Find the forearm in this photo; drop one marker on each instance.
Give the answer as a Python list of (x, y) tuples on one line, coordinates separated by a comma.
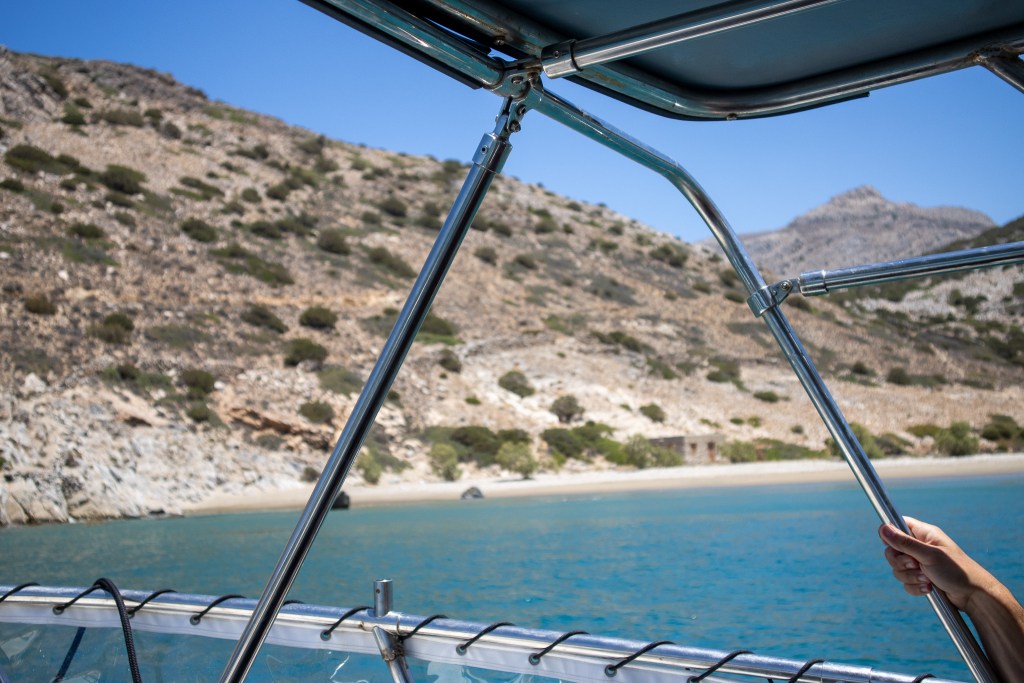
[(999, 619)]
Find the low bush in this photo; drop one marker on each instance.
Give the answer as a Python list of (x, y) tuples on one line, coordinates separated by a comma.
[(340, 380), (610, 289), (957, 440), (767, 396), (444, 461), (122, 117), (266, 230), (486, 254), (394, 207), (674, 255), (653, 412), (199, 230), (622, 339), (236, 259), (449, 361), (73, 116), (12, 184), (567, 408), (866, 439), (31, 159), (899, 376), (116, 328), (176, 336), (516, 457), (86, 231), (318, 318), (123, 179), (317, 412), (301, 350), (39, 304), (259, 315), (204, 189), (563, 443), (251, 195), (516, 382), (333, 241), (724, 371), (199, 383), (392, 263), (479, 444)]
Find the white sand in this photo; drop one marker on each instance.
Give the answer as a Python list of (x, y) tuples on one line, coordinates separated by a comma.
[(699, 476)]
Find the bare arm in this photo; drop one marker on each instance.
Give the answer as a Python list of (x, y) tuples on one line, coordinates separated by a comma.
[(930, 559)]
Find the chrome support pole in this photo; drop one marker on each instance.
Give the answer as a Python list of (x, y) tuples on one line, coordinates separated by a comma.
[(488, 161), (391, 650), (823, 281), (570, 57), (592, 127), (1008, 68)]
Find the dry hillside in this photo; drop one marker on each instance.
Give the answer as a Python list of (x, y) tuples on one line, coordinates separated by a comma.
[(192, 295)]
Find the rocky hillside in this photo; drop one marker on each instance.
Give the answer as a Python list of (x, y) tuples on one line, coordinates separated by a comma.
[(192, 295), (861, 226)]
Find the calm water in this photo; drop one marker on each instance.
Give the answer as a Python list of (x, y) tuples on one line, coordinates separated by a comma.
[(793, 571)]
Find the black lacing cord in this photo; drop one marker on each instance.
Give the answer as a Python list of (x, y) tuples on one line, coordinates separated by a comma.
[(292, 602), (611, 669), (416, 629), (198, 616), (19, 587), (326, 633), (59, 609), (804, 669), (535, 657), (922, 677), (462, 647), (145, 601), (70, 656), (718, 665), (126, 627)]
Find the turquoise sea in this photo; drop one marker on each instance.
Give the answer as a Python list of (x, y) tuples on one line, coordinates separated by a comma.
[(792, 571)]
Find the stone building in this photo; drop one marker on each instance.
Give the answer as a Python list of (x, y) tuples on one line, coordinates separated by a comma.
[(696, 449)]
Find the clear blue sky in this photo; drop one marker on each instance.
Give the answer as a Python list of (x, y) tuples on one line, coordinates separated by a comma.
[(952, 140)]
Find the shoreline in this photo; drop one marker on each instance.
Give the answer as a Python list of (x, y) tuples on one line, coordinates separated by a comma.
[(612, 481)]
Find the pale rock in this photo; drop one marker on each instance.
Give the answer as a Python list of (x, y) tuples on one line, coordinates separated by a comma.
[(32, 386)]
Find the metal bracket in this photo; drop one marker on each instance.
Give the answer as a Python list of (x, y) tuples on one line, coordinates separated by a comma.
[(769, 297)]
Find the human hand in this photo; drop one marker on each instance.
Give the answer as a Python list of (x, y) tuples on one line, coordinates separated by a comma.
[(930, 559)]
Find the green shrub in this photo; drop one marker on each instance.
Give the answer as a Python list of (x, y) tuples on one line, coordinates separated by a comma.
[(957, 440), (199, 230), (122, 117), (620, 338), (516, 457), (39, 304), (472, 401), (567, 408), (563, 442), (333, 241), (392, 263), (674, 255), (449, 361), (300, 225), (486, 254), (516, 382), (170, 131), (525, 261), (154, 115), (73, 116), (444, 461), (30, 159), (739, 451), (860, 368), (318, 318), (312, 146), (767, 396), (125, 219), (340, 380), (236, 259), (116, 328), (122, 320), (205, 190), (899, 376), (302, 349), (610, 289), (478, 444), (119, 199), (259, 315), (309, 474), (251, 195), (923, 430), (176, 336), (393, 206), (265, 229), (653, 412), (123, 179), (87, 231), (200, 412), (200, 383), (279, 192), (317, 412), (56, 83), (12, 184)]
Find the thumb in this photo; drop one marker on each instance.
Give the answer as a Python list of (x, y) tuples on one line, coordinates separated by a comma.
[(904, 543)]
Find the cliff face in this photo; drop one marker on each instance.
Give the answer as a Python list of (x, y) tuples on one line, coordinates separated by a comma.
[(861, 226), (192, 296)]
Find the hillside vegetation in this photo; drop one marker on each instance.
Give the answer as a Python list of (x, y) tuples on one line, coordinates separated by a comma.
[(193, 294)]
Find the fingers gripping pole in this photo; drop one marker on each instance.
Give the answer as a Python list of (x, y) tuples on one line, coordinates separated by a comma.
[(487, 163)]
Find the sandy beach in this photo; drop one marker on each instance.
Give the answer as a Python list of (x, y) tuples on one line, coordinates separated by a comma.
[(563, 483)]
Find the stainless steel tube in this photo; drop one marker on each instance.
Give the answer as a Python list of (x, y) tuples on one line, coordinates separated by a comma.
[(572, 57), (487, 162), (391, 653), (821, 282), (1008, 68), (794, 352)]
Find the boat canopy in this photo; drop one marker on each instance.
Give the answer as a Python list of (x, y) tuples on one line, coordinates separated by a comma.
[(716, 60)]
